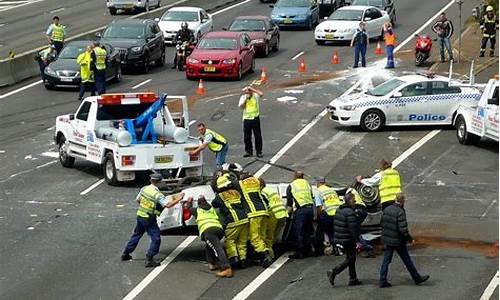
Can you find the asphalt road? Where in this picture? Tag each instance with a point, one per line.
(60, 244)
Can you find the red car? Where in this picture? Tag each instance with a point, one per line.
(221, 54)
(264, 33)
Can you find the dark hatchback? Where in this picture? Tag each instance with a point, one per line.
(65, 71)
(264, 33)
(139, 42)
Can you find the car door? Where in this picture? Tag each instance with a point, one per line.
(78, 138)
(408, 104)
(491, 126)
(374, 22)
(443, 101)
(153, 41)
(273, 32)
(110, 61)
(244, 43)
(314, 11)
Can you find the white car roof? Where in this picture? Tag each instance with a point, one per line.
(185, 8)
(419, 78)
(356, 7)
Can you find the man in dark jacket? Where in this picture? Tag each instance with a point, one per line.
(346, 228)
(395, 235)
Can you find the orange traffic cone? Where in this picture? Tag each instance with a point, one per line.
(201, 89)
(302, 67)
(263, 76)
(378, 50)
(335, 58)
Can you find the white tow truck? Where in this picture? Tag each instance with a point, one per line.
(474, 122)
(127, 133)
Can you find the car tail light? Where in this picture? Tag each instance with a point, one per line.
(186, 214)
(128, 160)
(192, 157)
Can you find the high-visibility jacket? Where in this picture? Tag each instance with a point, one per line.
(357, 197)
(207, 218)
(100, 58)
(148, 201)
(301, 192)
(330, 198)
(489, 26)
(390, 39)
(45, 53)
(254, 204)
(217, 142)
(57, 33)
(233, 210)
(251, 110)
(85, 60)
(276, 206)
(390, 185)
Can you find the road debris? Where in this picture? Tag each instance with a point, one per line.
(393, 137)
(287, 99)
(294, 91)
(440, 183)
(296, 279)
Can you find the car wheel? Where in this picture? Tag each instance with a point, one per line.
(66, 160)
(109, 169)
(277, 45)
(49, 86)
(112, 11)
(161, 61)
(118, 74)
(372, 120)
(145, 66)
(240, 72)
(320, 42)
(464, 137)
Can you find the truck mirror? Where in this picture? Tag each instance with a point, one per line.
(72, 116)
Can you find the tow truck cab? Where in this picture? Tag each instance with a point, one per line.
(129, 133)
(481, 120)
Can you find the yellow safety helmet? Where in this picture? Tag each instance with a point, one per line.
(489, 8)
(223, 181)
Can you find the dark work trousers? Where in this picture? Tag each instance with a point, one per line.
(349, 261)
(250, 126)
(58, 46)
(42, 66)
(405, 257)
(151, 227)
(88, 86)
(360, 49)
(100, 81)
(214, 248)
(325, 225)
(302, 228)
(484, 42)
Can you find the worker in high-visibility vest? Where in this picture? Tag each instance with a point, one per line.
(388, 181)
(250, 103)
(44, 58)
(86, 72)
(234, 218)
(211, 232)
(390, 43)
(277, 215)
(100, 57)
(326, 201)
(151, 202)
(489, 26)
(56, 34)
(214, 141)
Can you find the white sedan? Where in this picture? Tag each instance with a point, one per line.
(406, 100)
(198, 20)
(342, 24)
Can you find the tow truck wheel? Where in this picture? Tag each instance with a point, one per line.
(66, 160)
(112, 11)
(372, 120)
(109, 169)
(464, 137)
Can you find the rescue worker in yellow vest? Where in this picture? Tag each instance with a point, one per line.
(299, 193)
(230, 204)
(214, 141)
(249, 102)
(86, 72)
(277, 215)
(257, 213)
(56, 34)
(390, 43)
(326, 201)
(211, 232)
(489, 26)
(151, 202)
(100, 56)
(388, 182)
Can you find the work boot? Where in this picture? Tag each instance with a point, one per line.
(492, 53)
(126, 256)
(259, 155)
(353, 282)
(331, 276)
(384, 284)
(296, 255)
(267, 260)
(234, 262)
(481, 54)
(422, 279)
(247, 155)
(243, 264)
(151, 263)
(212, 267)
(227, 273)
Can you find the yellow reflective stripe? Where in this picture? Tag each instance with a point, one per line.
(251, 108)
(207, 219)
(100, 55)
(217, 142)
(57, 33)
(148, 201)
(390, 185)
(276, 205)
(301, 191)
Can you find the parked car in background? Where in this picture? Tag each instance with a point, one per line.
(198, 20)
(264, 33)
(295, 13)
(387, 5)
(131, 5)
(139, 42)
(327, 7)
(65, 71)
(221, 54)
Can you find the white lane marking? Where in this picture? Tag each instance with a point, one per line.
(487, 209)
(141, 84)
(156, 271)
(230, 7)
(490, 289)
(93, 186)
(20, 89)
(415, 147)
(27, 171)
(220, 97)
(57, 10)
(298, 55)
(46, 164)
(15, 4)
(52, 154)
(191, 122)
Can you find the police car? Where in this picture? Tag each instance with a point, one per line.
(419, 99)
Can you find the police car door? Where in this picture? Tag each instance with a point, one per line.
(408, 105)
(443, 102)
(492, 116)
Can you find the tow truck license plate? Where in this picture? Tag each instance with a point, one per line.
(209, 69)
(164, 159)
(288, 21)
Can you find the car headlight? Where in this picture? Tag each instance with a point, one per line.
(347, 30)
(347, 107)
(274, 16)
(136, 49)
(259, 41)
(319, 30)
(193, 61)
(49, 71)
(229, 61)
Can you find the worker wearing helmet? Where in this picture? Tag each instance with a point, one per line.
(277, 214)
(489, 26)
(234, 218)
(183, 35)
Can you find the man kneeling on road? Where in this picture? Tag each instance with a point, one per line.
(151, 202)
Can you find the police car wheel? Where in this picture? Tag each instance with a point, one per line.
(464, 137)
(372, 120)
(66, 160)
(112, 11)
(109, 169)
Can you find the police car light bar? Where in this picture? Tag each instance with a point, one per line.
(127, 98)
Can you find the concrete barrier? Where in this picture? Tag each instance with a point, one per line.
(23, 66)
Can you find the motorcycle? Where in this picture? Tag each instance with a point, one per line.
(423, 47)
(183, 49)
